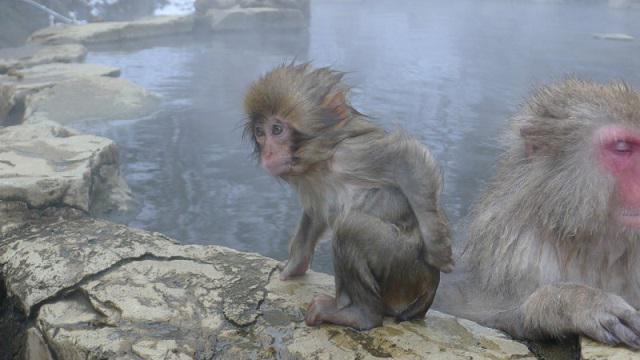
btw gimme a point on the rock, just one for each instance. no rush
(438, 336)
(7, 101)
(14, 215)
(46, 165)
(32, 55)
(302, 5)
(591, 350)
(23, 88)
(113, 31)
(203, 6)
(35, 347)
(96, 289)
(21, 85)
(89, 98)
(604, 36)
(50, 74)
(122, 9)
(256, 19)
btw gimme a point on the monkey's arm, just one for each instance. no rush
(416, 173)
(302, 246)
(561, 309)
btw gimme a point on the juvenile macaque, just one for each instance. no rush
(554, 245)
(377, 193)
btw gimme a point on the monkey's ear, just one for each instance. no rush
(336, 103)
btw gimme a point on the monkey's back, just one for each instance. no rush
(405, 283)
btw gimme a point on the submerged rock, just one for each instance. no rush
(100, 290)
(46, 165)
(32, 55)
(605, 36)
(90, 98)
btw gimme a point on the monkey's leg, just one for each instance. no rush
(302, 246)
(419, 307)
(363, 245)
(561, 309)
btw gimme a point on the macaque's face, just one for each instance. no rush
(274, 138)
(619, 152)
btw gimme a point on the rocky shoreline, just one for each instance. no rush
(73, 286)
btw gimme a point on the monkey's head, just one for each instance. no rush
(583, 140)
(296, 114)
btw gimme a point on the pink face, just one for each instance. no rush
(274, 138)
(619, 150)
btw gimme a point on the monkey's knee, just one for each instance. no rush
(418, 308)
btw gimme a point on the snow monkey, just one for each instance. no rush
(554, 244)
(377, 193)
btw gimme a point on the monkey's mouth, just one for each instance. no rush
(278, 167)
(630, 218)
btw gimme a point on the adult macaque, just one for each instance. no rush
(554, 244)
(377, 193)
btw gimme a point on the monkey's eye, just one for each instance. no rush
(258, 131)
(276, 129)
(622, 146)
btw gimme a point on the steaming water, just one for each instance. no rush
(448, 72)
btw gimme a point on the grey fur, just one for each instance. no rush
(377, 193)
(545, 257)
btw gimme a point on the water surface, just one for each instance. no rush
(449, 72)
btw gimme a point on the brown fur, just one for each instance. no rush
(377, 193)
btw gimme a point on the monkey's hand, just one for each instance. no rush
(437, 245)
(293, 267)
(440, 257)
(560, 309)
(611, 320)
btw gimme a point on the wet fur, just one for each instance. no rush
(377, 193)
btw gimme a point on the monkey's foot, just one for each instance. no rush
(323, 309)
(292, 268)
(320, 306)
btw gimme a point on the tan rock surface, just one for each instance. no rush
(47, 165)
(90, 98)
(113, 31)
(591, 350)
(100, 290)
(32, 55)
(36, 78)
